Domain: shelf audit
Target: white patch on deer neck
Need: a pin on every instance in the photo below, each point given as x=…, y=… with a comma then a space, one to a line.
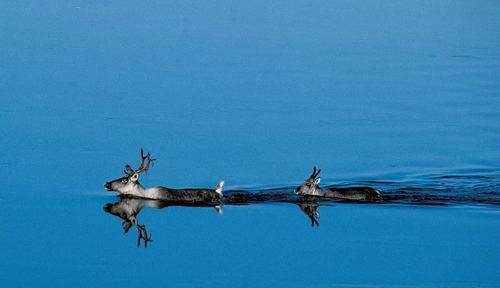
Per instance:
x=151, y=193
x=317, y=192
x=136, y=189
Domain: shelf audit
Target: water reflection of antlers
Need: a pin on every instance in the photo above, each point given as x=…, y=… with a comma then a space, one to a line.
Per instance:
x=141, y=230
x=143, y=234
x=311, y=210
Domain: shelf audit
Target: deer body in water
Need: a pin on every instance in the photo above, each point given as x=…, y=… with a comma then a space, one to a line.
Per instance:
x=129, y=185
x=310, y=187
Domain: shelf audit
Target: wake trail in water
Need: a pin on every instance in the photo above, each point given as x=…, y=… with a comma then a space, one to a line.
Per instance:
x=432, y=190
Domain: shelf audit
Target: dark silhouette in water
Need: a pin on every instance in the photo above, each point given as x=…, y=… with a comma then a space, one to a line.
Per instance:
x=129, y=185
x=310, y=187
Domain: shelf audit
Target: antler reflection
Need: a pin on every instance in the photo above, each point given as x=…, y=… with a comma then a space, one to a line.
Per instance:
x=311, y=210
x=127, y=209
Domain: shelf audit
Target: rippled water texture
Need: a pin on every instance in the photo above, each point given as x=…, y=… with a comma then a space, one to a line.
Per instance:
x=399, y=95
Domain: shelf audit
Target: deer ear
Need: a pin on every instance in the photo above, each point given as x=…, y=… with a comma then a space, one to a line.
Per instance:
x=134, y=177
x=317, y=181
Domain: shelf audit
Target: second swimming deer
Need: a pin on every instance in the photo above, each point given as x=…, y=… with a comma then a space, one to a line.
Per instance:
x=311, y=187
x=129, y=185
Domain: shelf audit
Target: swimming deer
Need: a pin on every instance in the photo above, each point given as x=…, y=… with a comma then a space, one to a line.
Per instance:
x=311, y=187
x=129, y=185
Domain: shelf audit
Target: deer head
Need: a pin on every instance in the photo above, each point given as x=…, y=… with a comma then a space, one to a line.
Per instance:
x=128, y=183
x=310, y=185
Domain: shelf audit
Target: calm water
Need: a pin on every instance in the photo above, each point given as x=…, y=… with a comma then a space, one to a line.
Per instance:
x=401, y=96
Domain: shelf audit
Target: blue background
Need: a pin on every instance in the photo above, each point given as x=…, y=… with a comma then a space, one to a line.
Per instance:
x=255, y=93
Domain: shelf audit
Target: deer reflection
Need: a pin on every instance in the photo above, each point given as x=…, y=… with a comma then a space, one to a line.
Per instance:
x=309, y=206
x=128, y=208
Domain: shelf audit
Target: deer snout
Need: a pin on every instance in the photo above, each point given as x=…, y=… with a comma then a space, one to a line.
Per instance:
x=107, y=185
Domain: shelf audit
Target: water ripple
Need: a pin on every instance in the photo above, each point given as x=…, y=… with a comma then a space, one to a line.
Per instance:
x=434, y=190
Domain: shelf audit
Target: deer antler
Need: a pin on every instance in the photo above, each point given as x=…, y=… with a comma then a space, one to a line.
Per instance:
x=315, y=173
x=128, y=170
x=146, y=162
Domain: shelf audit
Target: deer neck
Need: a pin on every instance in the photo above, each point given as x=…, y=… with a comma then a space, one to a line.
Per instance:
x=319, y=192
x=139, y=191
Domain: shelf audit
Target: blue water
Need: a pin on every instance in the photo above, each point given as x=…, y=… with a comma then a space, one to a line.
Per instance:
x=401, y=95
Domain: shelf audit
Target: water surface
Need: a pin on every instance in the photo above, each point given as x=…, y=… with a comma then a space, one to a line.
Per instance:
x=400, y=96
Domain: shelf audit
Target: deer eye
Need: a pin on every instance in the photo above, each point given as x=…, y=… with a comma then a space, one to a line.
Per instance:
x=308, y=184
x=124, y=181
